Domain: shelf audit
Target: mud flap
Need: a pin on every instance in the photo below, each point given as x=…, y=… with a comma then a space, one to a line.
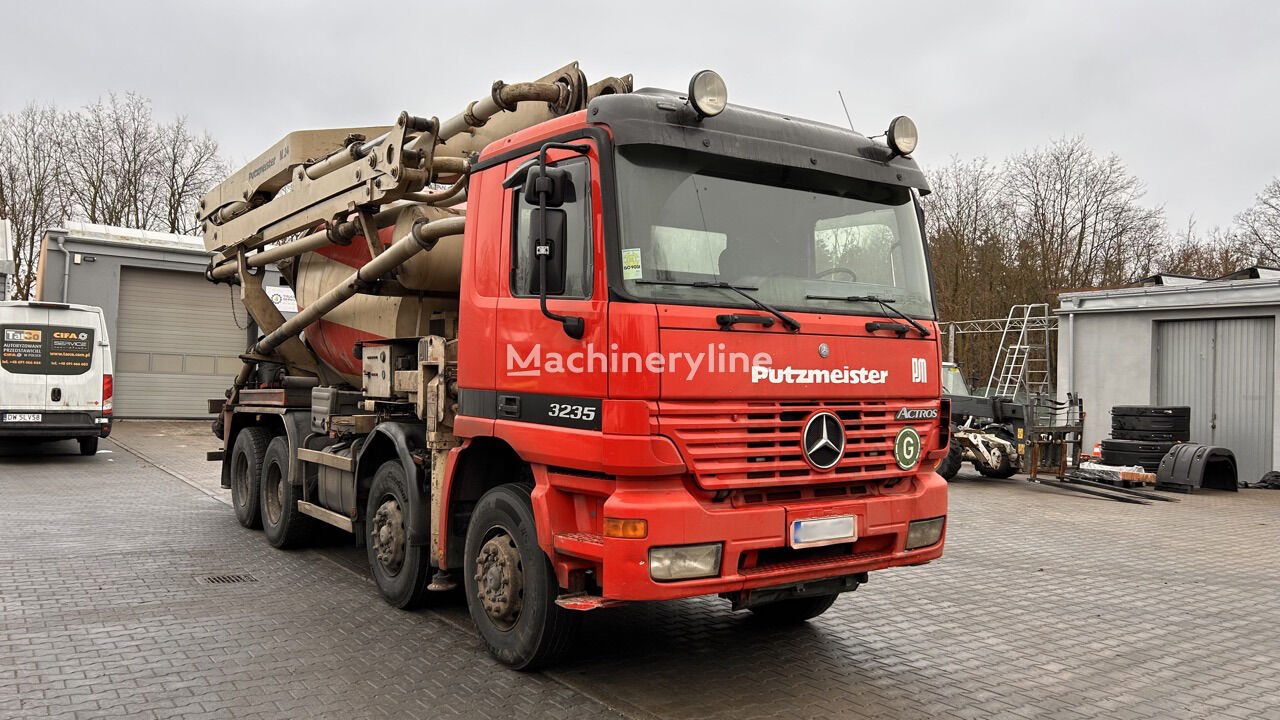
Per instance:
x=1188, y=466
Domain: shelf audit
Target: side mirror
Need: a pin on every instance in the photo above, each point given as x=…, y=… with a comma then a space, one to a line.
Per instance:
x=551, y=247
x=558, y=185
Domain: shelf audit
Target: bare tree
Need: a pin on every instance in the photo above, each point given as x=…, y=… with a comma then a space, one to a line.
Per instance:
x=1258, y=228
x=112, y=162
x=31, y=185
x=1078, y=220
x=109, y=163
x=188, y=166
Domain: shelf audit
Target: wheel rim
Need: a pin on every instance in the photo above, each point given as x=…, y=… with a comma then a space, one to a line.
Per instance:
x=500, y=580
x=274, y=493
x=240, y=476
x=387, y=536
x=998, y=455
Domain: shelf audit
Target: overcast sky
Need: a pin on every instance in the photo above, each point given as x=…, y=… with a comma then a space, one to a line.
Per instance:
x=1186, y=93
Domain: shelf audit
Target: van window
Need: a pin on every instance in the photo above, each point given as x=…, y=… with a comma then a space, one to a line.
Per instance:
x=46, y=349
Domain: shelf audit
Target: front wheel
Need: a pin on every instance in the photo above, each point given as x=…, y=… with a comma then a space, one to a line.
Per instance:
x=401, y=570
x=511, y=586
x=1002, y=466
x=794, y=611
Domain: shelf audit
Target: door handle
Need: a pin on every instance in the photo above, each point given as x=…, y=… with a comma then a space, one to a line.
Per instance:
x=56, y=394
x=509, y=406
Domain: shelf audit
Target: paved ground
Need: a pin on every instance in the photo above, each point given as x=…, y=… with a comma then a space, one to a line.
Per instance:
x=1045, y=605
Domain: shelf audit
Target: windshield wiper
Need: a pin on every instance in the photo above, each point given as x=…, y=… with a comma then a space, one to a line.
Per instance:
x=787, y=320
x=882, y=301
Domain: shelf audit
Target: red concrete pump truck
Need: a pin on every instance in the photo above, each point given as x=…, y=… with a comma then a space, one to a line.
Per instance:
x=673, y=347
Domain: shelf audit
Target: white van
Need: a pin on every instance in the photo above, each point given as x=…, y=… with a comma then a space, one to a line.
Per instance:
x=55, y=373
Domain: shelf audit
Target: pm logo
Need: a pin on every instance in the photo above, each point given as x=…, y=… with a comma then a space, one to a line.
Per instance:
x=919, y=370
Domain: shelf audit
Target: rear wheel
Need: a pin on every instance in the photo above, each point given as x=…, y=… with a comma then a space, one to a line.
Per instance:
x=511, y=586
x=794, y=611
x=246, y=474
x=283, y=525
x=88, y=445
x=401, y=570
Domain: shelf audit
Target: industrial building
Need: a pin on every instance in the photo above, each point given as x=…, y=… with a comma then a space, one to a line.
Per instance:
x=1208, y=344
x=175, y=336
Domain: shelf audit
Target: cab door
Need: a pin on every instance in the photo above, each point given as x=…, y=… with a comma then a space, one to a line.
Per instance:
x=543, y=375
x=23, y=365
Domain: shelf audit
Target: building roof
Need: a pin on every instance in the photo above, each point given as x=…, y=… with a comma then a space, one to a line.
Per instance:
x=1208, y=293
x=129, y=237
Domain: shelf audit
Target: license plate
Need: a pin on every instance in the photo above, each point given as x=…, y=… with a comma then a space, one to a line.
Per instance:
x=824, y=531
x=23, y=417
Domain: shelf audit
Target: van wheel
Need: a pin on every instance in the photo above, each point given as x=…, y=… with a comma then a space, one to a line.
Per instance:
x=511, y=586
x=246, y=472
x=401, y=570
x=88, y=446
x=283, y=525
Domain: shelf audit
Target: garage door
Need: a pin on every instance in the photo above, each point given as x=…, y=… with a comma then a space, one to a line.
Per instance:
x=1225, y=371
x=176, y=344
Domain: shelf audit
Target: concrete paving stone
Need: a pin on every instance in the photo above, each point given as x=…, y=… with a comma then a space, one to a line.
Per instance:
x=1045, y=605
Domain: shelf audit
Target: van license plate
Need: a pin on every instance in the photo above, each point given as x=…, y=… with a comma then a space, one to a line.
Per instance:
x=824, y=531
x=22, y=417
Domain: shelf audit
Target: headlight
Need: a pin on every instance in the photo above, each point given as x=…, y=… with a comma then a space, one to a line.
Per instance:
x=923, y=533
x=902, y=135
x=683, y=562
x=708, y=94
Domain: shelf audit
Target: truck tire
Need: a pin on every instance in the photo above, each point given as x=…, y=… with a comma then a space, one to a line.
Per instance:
x=511, y=586
x=795, y=610
x=1148, y=463
x=283, y=525
x=246, y=474
x=950, y=464
x=1139, y=423
x=1152, y=435
x=88, y=445
x=402, y=571
x=1165, y=411
x=1137, y=447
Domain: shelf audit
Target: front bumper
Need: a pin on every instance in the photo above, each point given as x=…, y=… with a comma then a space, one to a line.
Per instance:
x=755, y=537
x=56, y=425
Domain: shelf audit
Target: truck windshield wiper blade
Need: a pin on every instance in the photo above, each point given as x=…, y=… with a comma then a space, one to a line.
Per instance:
x=787, y=320
x=882, y=301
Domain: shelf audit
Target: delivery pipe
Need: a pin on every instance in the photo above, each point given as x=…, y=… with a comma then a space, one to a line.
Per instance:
x=307, y=243
x=424, y=236
x=503, y=98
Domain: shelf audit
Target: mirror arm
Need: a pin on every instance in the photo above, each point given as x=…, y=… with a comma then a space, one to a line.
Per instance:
x=573, y=325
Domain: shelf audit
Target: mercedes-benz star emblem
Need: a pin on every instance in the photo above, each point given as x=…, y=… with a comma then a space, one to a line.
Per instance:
x=823, y=350
x=823, y=440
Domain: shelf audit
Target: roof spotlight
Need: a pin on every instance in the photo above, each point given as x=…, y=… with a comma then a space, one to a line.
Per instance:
x=902, y=135
x=708, y=94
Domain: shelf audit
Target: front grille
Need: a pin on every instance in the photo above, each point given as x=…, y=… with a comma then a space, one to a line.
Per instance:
x=757, y=444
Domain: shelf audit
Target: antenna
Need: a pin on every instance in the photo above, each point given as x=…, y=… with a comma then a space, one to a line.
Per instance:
x=846, y=111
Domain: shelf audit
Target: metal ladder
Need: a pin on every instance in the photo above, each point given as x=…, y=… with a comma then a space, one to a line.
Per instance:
x=1022, y=360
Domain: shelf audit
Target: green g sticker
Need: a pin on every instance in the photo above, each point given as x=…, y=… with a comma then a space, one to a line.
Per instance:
x=906, y=449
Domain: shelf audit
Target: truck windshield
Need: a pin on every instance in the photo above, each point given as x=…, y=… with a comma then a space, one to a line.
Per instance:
x=689, y=219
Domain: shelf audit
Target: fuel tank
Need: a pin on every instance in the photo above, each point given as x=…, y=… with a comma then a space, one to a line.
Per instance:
x=428, y=286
